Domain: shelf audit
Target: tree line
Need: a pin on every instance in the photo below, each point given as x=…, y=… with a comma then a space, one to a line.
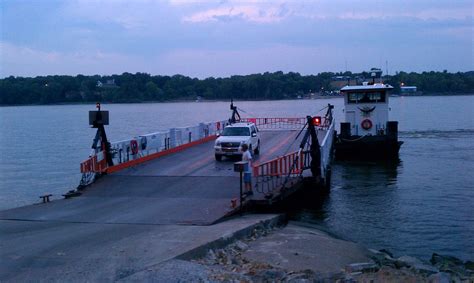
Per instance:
x=142, y=87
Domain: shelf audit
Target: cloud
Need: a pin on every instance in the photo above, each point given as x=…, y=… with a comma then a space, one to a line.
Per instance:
x=129, y=15
x=249, y=13
x=25, y=61
x=428, y=14
x=195, y=37
x=275, y=11
x=190, y=2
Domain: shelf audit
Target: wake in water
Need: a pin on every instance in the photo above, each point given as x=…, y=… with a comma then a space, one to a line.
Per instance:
x=458, y=133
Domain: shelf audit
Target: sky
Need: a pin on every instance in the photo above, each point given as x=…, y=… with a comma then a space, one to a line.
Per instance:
x=224, y=38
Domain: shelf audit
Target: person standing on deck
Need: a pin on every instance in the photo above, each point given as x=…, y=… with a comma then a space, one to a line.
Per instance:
x=247, y=156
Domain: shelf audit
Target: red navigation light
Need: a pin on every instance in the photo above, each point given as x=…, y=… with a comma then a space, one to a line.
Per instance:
x=316, y=120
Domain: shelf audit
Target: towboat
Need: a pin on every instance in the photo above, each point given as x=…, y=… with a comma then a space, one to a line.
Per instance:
x=367, y=133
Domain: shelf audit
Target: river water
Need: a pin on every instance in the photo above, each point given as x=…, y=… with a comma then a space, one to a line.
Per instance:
x=420, y=205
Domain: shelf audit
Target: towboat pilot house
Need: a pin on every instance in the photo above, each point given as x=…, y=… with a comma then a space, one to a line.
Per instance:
x=367, y=130
x=366, y=108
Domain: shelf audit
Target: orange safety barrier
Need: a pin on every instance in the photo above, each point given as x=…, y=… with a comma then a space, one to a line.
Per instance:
x=92, y=165
x=279, y=172
x=152, y=156
x=276, y=123
x=290, y=164
x=284, y=123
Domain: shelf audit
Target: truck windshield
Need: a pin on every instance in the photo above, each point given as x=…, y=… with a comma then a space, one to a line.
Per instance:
x=236, y=131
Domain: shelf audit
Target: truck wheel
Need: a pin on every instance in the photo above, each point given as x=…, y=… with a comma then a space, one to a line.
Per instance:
x=218, y=157
x=257, y=150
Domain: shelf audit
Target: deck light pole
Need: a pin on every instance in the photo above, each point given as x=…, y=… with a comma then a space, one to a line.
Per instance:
x=98, y=119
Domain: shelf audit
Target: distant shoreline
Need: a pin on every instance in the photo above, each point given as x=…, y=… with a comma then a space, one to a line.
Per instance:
x=316, y=97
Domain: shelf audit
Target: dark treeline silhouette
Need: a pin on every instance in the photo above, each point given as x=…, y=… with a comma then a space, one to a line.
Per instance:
x=141, y=87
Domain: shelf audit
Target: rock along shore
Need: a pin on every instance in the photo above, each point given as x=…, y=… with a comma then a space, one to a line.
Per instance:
x=298, y=252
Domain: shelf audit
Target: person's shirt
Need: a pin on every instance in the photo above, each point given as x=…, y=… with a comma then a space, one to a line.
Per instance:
x=246, y=156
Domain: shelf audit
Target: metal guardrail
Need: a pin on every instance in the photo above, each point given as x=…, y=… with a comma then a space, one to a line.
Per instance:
x=276, y=173
x=94, y=164
x=290, y=164
x=150, y=144
x=270, y=175
x=325, y=148
x=145, y=145
x=276, y=123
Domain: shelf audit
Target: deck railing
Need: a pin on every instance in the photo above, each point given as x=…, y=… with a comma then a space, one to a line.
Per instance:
x=326, y=146
x=276, y=123
x=270, y=175
x=143, y=146
x=95, y=163
x=276, y=173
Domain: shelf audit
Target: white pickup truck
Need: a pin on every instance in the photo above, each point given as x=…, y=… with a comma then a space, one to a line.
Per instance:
x=230, y=142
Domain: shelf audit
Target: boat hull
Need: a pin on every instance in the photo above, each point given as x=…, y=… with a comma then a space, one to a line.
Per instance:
x=367, y=147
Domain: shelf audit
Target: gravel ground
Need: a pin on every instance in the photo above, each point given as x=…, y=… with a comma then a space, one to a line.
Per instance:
x=236, y=262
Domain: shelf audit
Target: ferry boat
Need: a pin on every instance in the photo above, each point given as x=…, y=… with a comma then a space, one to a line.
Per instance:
x=367, y=133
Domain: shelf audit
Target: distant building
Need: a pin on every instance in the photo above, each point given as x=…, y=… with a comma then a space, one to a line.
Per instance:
x=337, y=82
x=375, y=73
x=374, y=76
x=340, y=78
x=108, y=84
x=408, y=89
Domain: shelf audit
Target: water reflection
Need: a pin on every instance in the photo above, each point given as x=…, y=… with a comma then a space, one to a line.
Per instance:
x=360, y=179
x=351, y=173
x=363, y=197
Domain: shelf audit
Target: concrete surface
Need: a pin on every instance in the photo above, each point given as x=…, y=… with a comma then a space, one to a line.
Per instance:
x=172, y=271
x=129, y=220
x=70, y=252
x=140, y=200
x=188, y=187
x=296, y=247
x=298, y=252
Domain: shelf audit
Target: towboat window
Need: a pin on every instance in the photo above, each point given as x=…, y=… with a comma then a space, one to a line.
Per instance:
x=236, y=131
x=366, y=97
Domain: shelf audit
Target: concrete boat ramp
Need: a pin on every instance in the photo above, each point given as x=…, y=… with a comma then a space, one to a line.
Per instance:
x=157, y=205
x=37, y=251
x=130, y=219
